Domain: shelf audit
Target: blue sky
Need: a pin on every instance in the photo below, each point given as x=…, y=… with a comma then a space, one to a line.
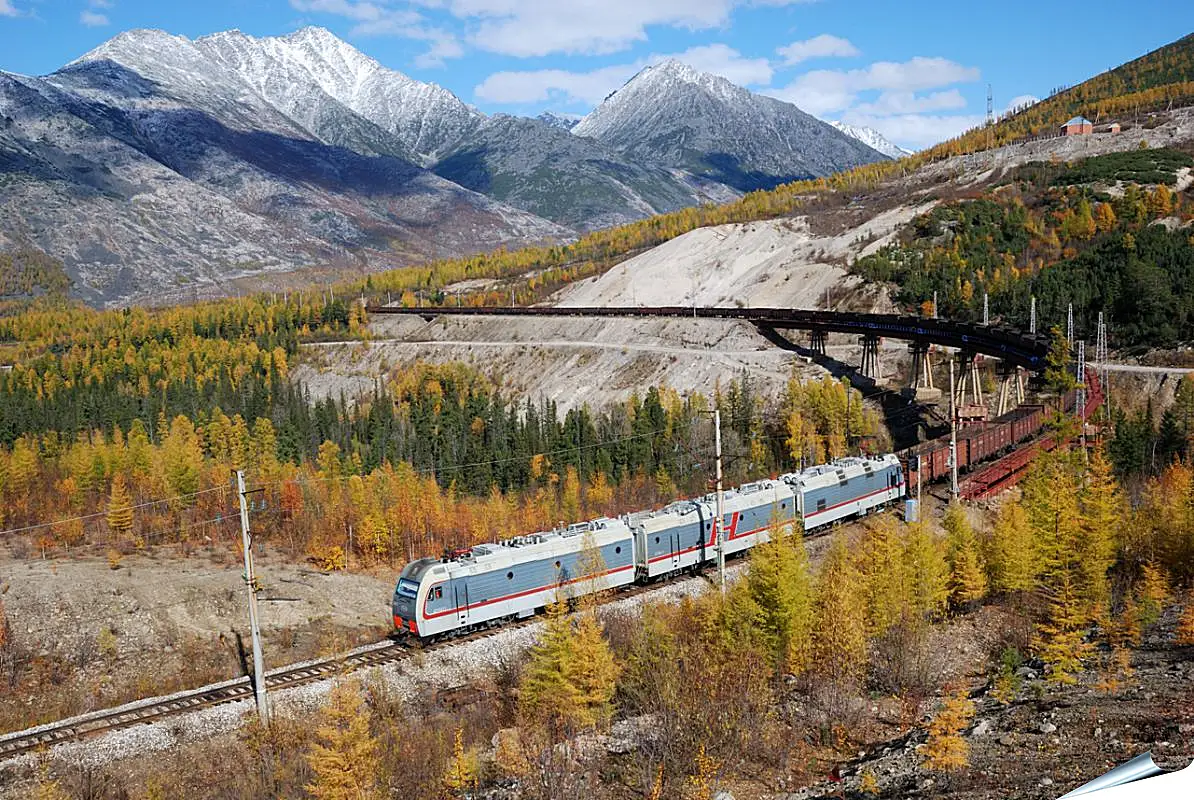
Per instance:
x=916, y=70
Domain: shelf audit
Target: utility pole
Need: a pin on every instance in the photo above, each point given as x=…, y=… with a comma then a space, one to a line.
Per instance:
x=953, y=434
x=986, y=308
x=1069, y=326
x=721, y=504
x=1032, y=317
x=934, y=305
x=251, y=583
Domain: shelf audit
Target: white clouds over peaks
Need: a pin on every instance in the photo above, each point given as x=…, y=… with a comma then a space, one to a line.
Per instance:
x=823, y=46
x=590, y=88
x=93, y=18
x=382, y=19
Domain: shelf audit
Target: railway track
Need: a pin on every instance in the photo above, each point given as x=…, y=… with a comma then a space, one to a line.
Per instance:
x=150, y=711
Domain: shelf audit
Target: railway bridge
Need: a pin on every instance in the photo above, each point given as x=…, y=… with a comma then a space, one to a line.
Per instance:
x=1014, y=347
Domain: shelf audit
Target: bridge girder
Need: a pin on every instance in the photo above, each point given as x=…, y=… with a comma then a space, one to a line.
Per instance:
x=1012, y=345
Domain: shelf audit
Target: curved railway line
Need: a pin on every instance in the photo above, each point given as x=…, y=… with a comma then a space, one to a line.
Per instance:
x=152, y=710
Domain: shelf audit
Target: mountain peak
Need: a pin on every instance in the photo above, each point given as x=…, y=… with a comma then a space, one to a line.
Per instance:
x=872, y=139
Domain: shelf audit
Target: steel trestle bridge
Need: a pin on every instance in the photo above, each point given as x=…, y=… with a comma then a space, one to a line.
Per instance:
x=1012, y=345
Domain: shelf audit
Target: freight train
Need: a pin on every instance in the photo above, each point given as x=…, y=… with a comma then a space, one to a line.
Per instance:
x=985, y=440
x=490, y=584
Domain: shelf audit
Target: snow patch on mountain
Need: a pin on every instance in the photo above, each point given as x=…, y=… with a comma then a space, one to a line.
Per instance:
x=872, y=139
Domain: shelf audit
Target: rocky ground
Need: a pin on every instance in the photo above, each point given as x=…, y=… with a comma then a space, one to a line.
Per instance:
x=1049, y=739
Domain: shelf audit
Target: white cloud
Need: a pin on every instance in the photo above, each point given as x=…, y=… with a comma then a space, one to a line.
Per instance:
x=93, y=19
x=590, y=88
x=7, y=9
x=443, y=46
x=889, y=103
x=1020, y=101
x=823, y=46
x=832, y=90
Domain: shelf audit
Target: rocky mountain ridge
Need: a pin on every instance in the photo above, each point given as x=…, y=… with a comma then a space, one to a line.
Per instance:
x=309, y=152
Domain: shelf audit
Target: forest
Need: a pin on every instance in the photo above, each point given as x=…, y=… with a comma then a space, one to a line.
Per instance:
x=1047, y=232
x=791, y=672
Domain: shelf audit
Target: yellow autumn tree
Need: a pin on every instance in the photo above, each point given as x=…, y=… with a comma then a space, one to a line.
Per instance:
x=461, y=774
x=967, y=581
x=839, y=618
x=776, y=597
x=946, y=750
x=344, y=757
x=925, y=571
x=1061, y=639
x=1185, y=625
x=120, y=508
x=1010, y=559
x=880, y=562
x=570, y=677
x=1097, y=532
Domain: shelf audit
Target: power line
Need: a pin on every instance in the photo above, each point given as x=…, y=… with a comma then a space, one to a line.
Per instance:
x=104, y=513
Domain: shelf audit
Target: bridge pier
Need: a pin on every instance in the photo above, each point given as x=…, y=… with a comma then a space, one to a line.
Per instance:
x=817, y=341
x=1011, y=384
x=920, y=378
x=871, y=366
x=969, y=399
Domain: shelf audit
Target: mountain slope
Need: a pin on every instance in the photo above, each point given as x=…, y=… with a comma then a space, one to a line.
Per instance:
x=669, y=113
x=1156, y=81
x=297, y=73
x=147, y=170
x=872, y=139
x=568, y=179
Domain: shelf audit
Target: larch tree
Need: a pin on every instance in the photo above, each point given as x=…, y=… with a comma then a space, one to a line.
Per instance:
x=1098, y=533
x=120, y=508
x=1061, y=639
x=879, y=560
x=967, y=581
x=592, y=672
x=925, y=570
x=545, y=692
x=946, y=750
x=344, y=758
x=839, y=618
x=1185, y=625
x=1011, y=562
x=777, y=597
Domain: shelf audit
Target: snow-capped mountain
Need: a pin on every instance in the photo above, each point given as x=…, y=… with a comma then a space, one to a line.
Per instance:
x=672, y=114
x=297, y=72
x=872, y=139
x=161, y=164
x=565, y=122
